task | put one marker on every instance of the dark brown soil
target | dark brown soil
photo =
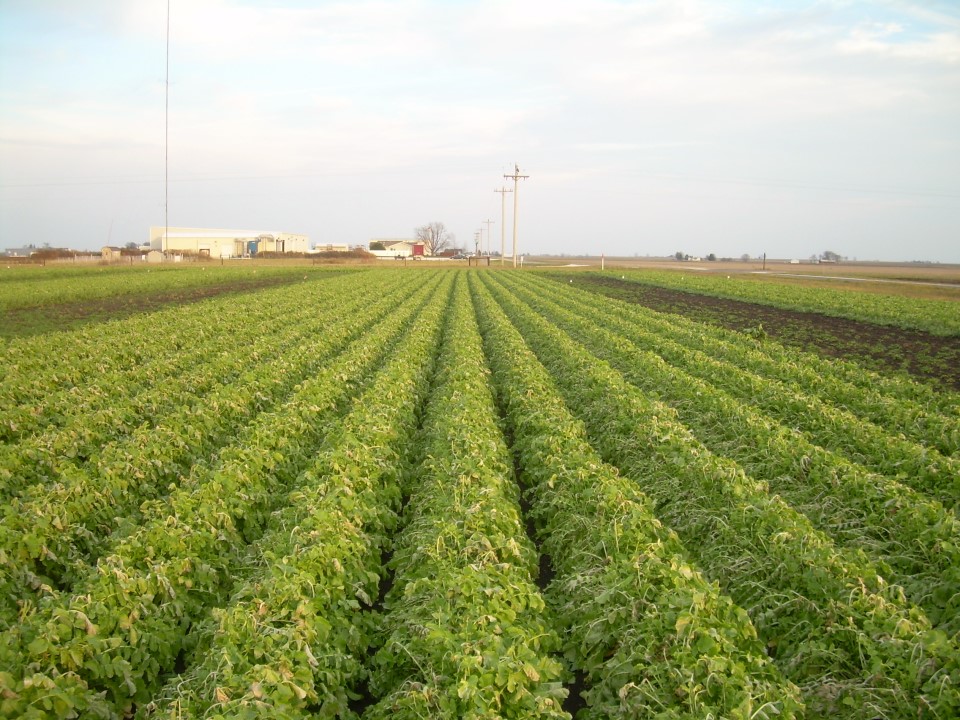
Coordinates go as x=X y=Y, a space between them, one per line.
x=929 y=358
x=25 y=322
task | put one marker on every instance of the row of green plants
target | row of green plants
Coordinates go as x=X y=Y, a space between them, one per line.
x=50 y=534
x=78 y=423
x=913 y=539
x=679 y=585
x=939 y=317
x=831 y=623
x=47 y=379
x=822 y=420
x=464 y=629
x=650 y=634
x=898 y=405
x=107 y=413
x=50 y=378
x=293 y=639
x=104 y=647
x=26 y=287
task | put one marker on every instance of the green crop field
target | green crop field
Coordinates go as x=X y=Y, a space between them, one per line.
x=908 y=326
x=450 y=493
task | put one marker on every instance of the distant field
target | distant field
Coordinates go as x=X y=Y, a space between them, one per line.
x=910 y=326
x=37 y=299
x=878 y=302
x=413 y=492
x=924 y=272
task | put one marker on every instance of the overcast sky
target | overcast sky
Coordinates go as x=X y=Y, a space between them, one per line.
x=646 y=128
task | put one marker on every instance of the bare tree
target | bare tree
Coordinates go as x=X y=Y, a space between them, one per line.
x=435 y=237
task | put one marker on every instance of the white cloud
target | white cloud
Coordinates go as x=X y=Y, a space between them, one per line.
x=423 y=104
x=889 y=40
x=225 y=31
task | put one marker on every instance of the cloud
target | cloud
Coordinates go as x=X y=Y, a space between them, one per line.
x=888 y=40
x=222 y=31
x=405 y=108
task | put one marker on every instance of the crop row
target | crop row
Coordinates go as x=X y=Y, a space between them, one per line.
x=917 y=538
x=650 y=634
x=295 y=635
x=112 y=410
x=48 y=379
x=823 y=421
x=80 y=422
x=830 y=622
x=103 y=647
x=464 y=630
x=37 y=287
x=896 y=405
x=323 y=517
x=938 y=317
x=50 y=533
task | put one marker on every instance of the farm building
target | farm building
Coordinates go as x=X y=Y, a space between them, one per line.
x=109 y=253
x=394 y=248
x=221 y=243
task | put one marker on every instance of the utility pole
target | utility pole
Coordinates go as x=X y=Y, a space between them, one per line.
x=488 y=235
x=503 y=220
x=516 y=176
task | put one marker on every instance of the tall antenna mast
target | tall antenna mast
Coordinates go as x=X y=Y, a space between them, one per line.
x=516 y=176
x=166 y=147
x=503 y=220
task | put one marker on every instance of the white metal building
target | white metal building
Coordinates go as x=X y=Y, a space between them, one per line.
x=220 y=243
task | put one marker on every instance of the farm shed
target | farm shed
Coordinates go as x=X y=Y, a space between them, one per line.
x=385 y=247
x=221 y=243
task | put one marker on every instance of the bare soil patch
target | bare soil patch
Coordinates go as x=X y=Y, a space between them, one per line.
x=929 y=358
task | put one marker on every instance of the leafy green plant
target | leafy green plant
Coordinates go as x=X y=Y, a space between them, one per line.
x=107 y=644
x=465 y=631
x=914 y=537
x=896 y=405
x=652 y=635
x=49 y=535
x=829 y=620
x=293 y=638
x=939 y=317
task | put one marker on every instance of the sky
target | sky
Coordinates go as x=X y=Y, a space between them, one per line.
x=646 y=128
